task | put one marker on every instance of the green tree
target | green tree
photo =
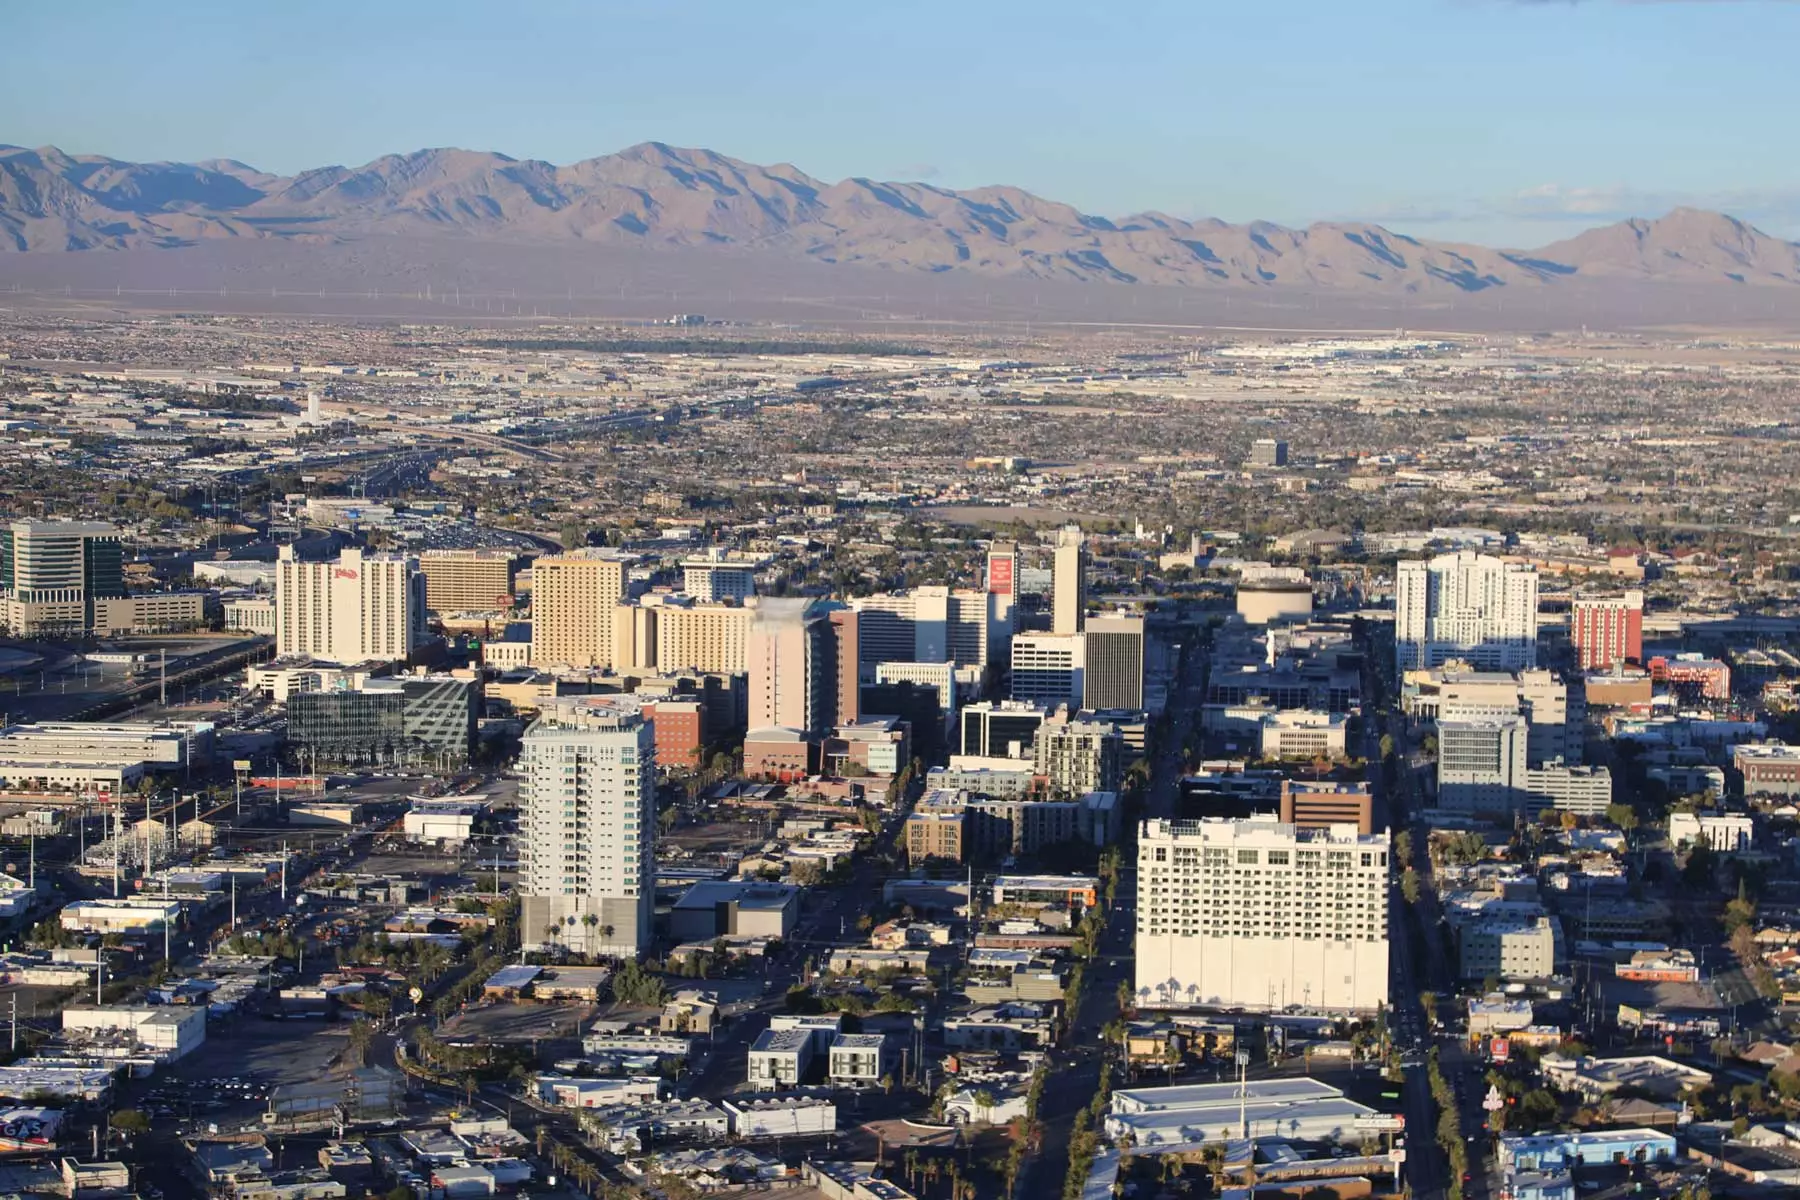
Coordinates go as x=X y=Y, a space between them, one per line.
x=130 y=1120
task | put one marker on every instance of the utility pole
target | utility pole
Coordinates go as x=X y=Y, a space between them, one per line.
x=284 y=858
x=164 y=689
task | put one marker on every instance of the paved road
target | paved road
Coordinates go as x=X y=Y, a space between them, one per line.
x=1426 y=1169
x=1074 y=1077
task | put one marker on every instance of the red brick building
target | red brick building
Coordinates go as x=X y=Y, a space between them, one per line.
x=1608 y=631
x=680 y=732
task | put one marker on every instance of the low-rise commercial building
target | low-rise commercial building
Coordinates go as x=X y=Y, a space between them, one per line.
x=1508 y=949
x=169 y=1031
x=728 y=908
x=780 y=1058
x=782 y=1116
x=1726 y=833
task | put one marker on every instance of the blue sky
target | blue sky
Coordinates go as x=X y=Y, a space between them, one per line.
x=1510 y=122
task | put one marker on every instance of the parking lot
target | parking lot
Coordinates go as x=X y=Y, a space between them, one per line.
x=227 y=1081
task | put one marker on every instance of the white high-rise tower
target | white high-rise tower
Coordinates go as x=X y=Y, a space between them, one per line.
x=1466 y=606
x=587 y=852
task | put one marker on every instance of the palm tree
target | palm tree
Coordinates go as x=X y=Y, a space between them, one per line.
x=360 y=1036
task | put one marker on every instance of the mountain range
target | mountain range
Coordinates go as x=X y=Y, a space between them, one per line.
x=656 y=196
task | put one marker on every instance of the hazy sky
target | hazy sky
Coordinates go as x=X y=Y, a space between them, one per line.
x=1506 y=121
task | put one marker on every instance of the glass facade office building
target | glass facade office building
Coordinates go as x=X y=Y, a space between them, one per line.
x=390 y=722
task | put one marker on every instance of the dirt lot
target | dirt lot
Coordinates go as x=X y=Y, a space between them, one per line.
x=518 y=1022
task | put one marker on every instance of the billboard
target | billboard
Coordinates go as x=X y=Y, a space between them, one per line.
x=1499 y=1049
x=1000 y=575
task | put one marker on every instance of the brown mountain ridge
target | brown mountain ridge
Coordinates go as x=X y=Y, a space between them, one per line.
x=653 y=195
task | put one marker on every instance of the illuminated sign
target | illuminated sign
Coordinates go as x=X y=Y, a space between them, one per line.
x=343 y=573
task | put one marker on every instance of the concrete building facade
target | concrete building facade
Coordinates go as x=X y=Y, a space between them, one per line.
x=356 y=608
x=1259 y=914
x=572 y=601
x=1466 y=606
x=588 y=827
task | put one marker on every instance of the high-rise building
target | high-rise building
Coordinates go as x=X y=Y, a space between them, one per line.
x=940 y=677
x=1484 y=766
x=587 y=828
x=1556 y=720
x=846 y=660
x=1049 y=670
x=1481 y=763
x=1468 y=606
x=1268 y=452
x=1068 y=583
x=927 y=624
x=1114 y=676
x=703 y=637
x=793 y=681
x=356 y=608
x=53 y=572
x=468 y=580
x=572 y=601
x=1006 y=729
x=1608 y=631
x=1002 y=585
x=715 y=578
x=1076 y=757
x=1262 y=915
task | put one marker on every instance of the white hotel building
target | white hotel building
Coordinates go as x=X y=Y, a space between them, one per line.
x=587 y=825
x=358 y=608
x=1261 y=915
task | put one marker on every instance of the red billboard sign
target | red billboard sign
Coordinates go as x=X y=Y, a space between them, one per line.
x=1000 y=576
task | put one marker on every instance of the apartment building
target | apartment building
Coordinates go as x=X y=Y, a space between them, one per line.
x=588 y=827
x=1468 y=606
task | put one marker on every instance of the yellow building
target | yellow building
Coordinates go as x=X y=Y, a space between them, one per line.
x=572 y=601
